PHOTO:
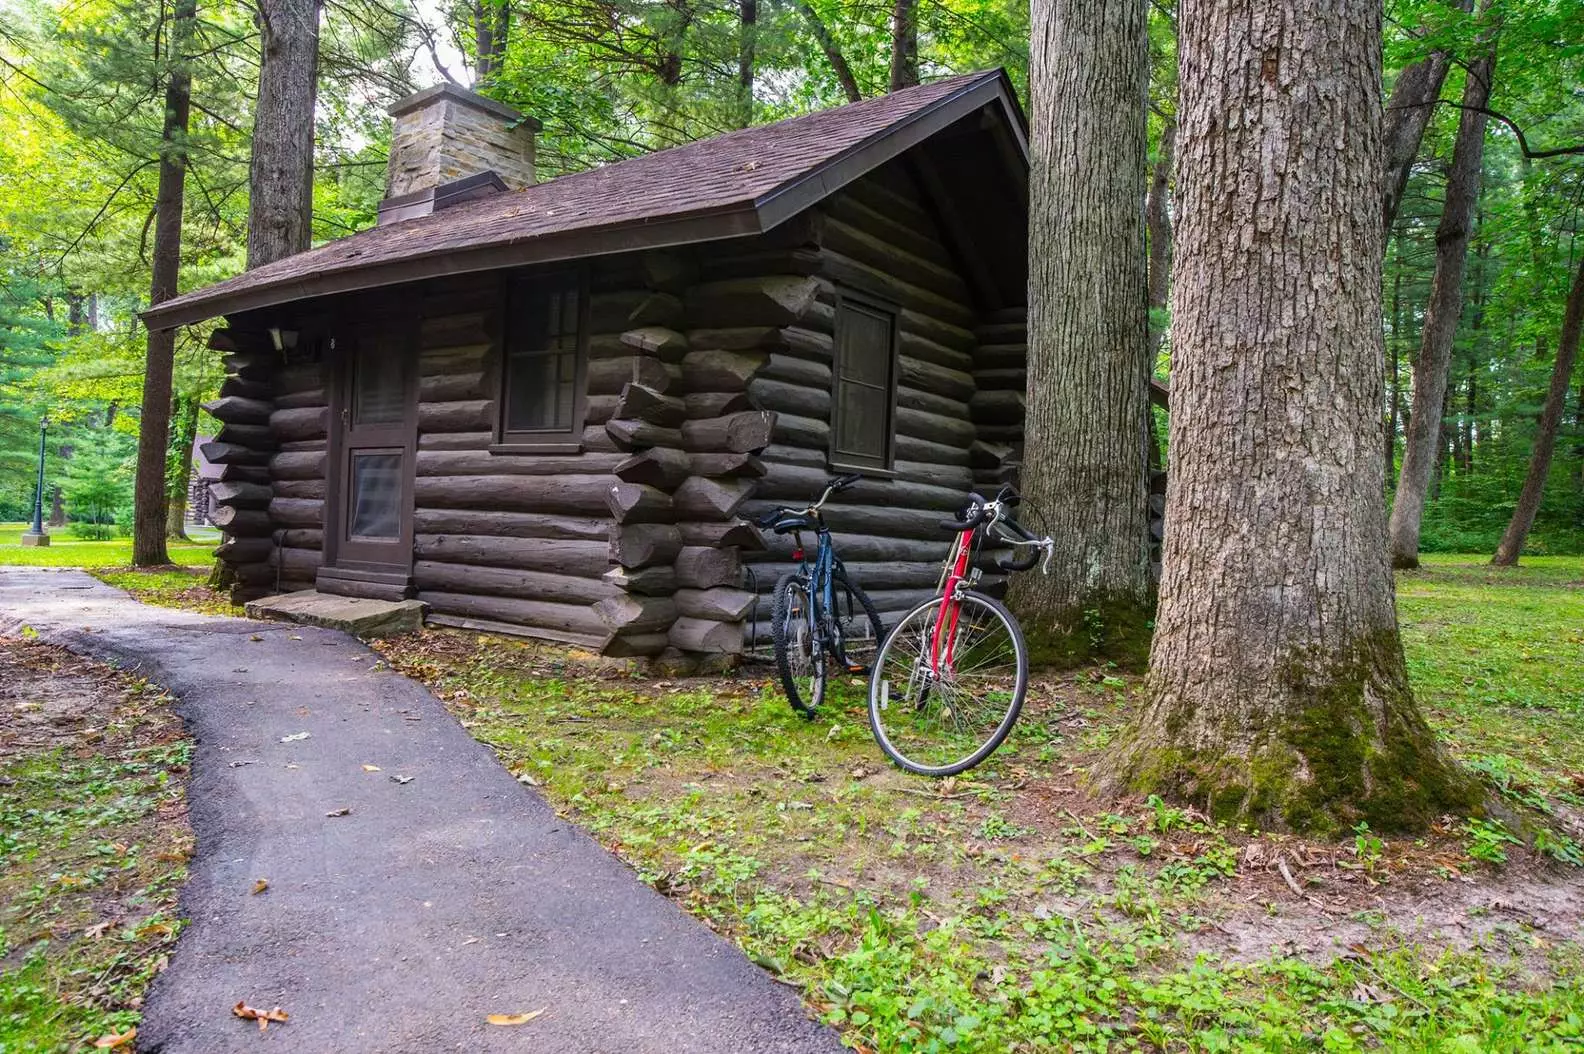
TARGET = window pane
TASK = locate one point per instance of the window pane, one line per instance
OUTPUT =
(376, 496)
(861, 424)
(541, 364)
(377, 395)
(866, 345)
(539, 392)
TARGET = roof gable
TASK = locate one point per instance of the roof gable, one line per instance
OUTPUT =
(732, 185)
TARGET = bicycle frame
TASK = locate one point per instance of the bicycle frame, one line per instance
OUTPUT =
(822, 589)
(943, 638)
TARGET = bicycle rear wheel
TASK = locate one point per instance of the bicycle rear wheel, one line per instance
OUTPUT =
(941, 701)
(799, 657)
(857, 621)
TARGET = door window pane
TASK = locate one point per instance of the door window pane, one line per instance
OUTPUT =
(375, 507)
(377, 389)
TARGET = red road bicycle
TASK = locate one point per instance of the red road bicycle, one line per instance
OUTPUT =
(949, 680)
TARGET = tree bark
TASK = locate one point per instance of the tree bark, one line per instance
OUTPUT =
(1408, 113)
(1087, 419)
(1512, 542)
(148, 517)
(747, 34)
(1433, 363)
(1277, 689)
(179, 469)
(904, 45)
(280, 205)
(833, 53)
(491, 30)
(1157, 221)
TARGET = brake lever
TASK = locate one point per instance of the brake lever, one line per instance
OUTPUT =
(1049, 545)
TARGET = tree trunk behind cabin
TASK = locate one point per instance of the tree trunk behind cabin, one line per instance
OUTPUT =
(179, 471)
(1392, 381)
(904, 44)
(280, 208)
(833, 52)
(148, 517)
(1512, 542)
(1157, 225)
(1433, 363)
(491, 29)
(1087, 423)
(747, 34)
(1277, 689)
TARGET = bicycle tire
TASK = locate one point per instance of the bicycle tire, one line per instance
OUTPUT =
(920, 620)
(876, 627)
(798, 657)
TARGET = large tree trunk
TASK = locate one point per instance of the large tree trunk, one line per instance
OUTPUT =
(1277, 687)
(833, 53)
(1431, 368)
(148, 516)
(280, 208)
(1086, 462)
(1512, 542)
(904, 44)
(747, 40)
(1157, 221)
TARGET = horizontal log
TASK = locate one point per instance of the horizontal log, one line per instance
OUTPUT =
(634, 613)
(245, 473)
(706, 636)
(644, 544)
(650, 581)
(633, 434)
(932, 377)
(912, 448)
(720, 371)
(665, 344)
(301, 400)
(254, 369)
(510, 582)
(745, 433)
(242, 342)
(797, 484)
(796, 371)
(782, 453)
(246, 389)
(919, 241)
(721, 604)
(468, 415)
(302, 377)
(258, 437)
(894, 574)
(1010, 379)
(936, 428)
(911, 398)
(700, 498)
(637, 503)
(644, 403)
(783, 260)
(995, 356)
(299, 488)
(299, 563)
(661, 467)
(796, 399)
(300, 537)
(771, 300)
(703, 567)
(307, 422)
(857, 547)
(494, 522)
(746, 466)
(244, 550)
(797, 431)
(937, 278)
(716, 404)
(620, 310)
(636, 645)
(566, 493)
(234, 409)
(609, 376)
(997, 407)
(573, 556)
(455, 440)
(460, 358)
(579, 620)
(297, 512)
(241, 495)
(484, 463)
(452, 387)
(738, 338)
(259, 574)
(457, 328)
(741, 535)
(884, 281)
(597, 409)
(298, 465)
(242, 523)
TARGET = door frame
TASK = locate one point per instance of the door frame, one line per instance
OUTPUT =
(397, 324)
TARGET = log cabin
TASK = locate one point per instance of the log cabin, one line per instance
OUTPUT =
(552, 408)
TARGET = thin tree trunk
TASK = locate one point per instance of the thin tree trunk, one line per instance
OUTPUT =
(1433, 363)
(280, 206)
(1408, 113)
(491, 29)
(1392, 382)
(1512, 542)
(1157, 222)
(1277, 687)
(833, 54)
(747, 33)
(1086, 461)
(148, 521)
(179, 470)
(904, 44)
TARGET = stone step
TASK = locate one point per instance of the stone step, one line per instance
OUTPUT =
(358, 616)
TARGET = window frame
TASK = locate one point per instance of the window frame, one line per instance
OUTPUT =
(849, 461)
(541, 441)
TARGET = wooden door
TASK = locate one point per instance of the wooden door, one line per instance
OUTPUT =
(376, 429)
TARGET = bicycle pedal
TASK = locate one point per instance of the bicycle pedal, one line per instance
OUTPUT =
(857, 667)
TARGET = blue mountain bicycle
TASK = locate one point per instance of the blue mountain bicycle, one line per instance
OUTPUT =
(808, 623)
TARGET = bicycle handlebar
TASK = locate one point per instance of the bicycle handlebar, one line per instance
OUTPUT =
(832, 486)
(977, 512)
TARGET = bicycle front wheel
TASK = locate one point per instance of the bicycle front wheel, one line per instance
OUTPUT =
(799, 657)
(948, 684)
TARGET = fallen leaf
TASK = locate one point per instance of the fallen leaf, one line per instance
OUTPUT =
(402, 779)
(525, 778)
(263, 1017)
(111, 1042)
(514, 1019)
(96, 930)
(260, 886)
(296, 737)
(343, 811)
(254, 636)
(371, 768)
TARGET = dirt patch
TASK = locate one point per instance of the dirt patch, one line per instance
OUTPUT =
(51, 698)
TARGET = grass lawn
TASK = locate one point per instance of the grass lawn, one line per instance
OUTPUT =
(1008, 911)
(93, 848)
(66, 551)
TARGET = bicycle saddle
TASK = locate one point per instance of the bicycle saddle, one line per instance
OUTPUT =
(785, 521)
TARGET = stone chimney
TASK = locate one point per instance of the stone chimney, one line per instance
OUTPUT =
(449, 145)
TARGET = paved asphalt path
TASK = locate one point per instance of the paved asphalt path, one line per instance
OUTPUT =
(400, 926)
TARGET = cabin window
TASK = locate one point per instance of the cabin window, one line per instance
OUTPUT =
(542, 364)
(864, 396)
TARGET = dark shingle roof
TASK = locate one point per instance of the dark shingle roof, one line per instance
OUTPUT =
(734, 184)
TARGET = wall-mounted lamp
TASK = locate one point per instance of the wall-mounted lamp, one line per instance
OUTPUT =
(283, 339)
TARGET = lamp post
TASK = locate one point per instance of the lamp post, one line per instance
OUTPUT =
(35, 535)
